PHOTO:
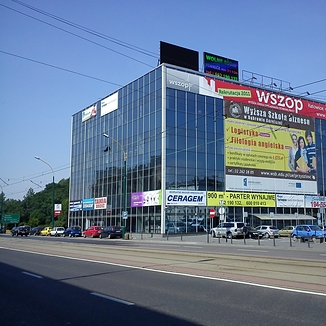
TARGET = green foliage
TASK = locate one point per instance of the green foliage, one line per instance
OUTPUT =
(35, 208)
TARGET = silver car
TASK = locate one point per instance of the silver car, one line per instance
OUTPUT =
(268, 231)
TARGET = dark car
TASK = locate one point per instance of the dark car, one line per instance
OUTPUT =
(251, 232)
(23, 230)
(73, 231)
(36, 230)
(14, 230)
(111, 232)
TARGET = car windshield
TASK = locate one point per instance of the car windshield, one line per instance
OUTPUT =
(315, 227)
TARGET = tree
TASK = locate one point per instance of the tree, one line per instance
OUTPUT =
(36, 208)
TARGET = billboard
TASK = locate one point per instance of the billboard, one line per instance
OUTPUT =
(178, 56)
(89, 113)
(180, 197)
(75, 206)
(240, 199)
(268, 151)
(88, 204)
(290, 200)
(100, 203)
(220, 66)
(109, 104)
(147, 198)
(243, 94)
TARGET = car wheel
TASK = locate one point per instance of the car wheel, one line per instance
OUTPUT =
(84, 236)
(100, 236)
(110, 236)
(229, 235)
(313, 238)
(249, 236)
(266, 235)
(295, 238)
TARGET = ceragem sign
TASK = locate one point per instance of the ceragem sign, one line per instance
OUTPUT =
(185, 198)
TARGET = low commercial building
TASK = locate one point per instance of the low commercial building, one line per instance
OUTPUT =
(176, 143)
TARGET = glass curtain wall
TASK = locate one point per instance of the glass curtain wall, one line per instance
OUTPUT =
(97, 162)
(194, 151)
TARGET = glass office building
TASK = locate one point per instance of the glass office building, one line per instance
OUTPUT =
(154, 151)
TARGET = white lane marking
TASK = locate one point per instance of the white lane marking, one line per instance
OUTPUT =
(253, 250)
(193, 247)
(34, 275)
(112, 299)
(171, 273)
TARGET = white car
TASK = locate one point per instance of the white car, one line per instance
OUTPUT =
(57, 231)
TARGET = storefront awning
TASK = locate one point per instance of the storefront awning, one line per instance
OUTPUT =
(282, 217)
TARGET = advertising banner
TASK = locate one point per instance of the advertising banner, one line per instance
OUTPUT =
(240, 199)
(268, 151)
(315, 201)
(100, 203)
(89, 113)
(75, 206)
(88, 204)
(290, 201)
(244, 94)
(147, 198)
(109, 104)
(185, 198)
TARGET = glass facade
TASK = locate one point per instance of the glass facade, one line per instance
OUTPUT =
(171, 139)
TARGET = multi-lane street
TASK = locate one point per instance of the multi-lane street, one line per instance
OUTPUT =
(65, 281)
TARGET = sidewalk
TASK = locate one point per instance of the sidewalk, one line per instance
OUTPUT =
(203, 239)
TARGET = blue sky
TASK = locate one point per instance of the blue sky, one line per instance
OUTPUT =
(282, 39)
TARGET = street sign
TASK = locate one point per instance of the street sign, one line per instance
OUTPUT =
(221, 210)
(10, 218)
(124, 215)
(211, 212)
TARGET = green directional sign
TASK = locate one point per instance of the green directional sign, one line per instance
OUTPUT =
(10, 218)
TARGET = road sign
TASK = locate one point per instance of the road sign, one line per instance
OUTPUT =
(125, 214)
(10, 218)
(221, 210)
(211, 212)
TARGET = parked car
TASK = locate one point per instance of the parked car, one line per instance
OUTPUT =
(73, 231)
(46, 231)
(111, 232)
(323, 227)
(307, 232)
(22, 230)
(268, 231)
(228, 230)
(175, 227)
(286, 231)
(92, 231)
(251, 232)
(3, 230)
(14, 230)
(36, 230)
(57, 231)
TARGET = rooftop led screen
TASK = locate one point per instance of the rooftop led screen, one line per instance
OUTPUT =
(220, 66)
(178, 56)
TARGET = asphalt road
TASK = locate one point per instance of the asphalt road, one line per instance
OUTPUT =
(61, 282)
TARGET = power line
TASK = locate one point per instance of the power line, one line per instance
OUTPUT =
(88, 30)
(81, 37)
(56, 67)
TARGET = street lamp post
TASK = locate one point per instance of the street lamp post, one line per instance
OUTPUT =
(52, 208)
(124, 186)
